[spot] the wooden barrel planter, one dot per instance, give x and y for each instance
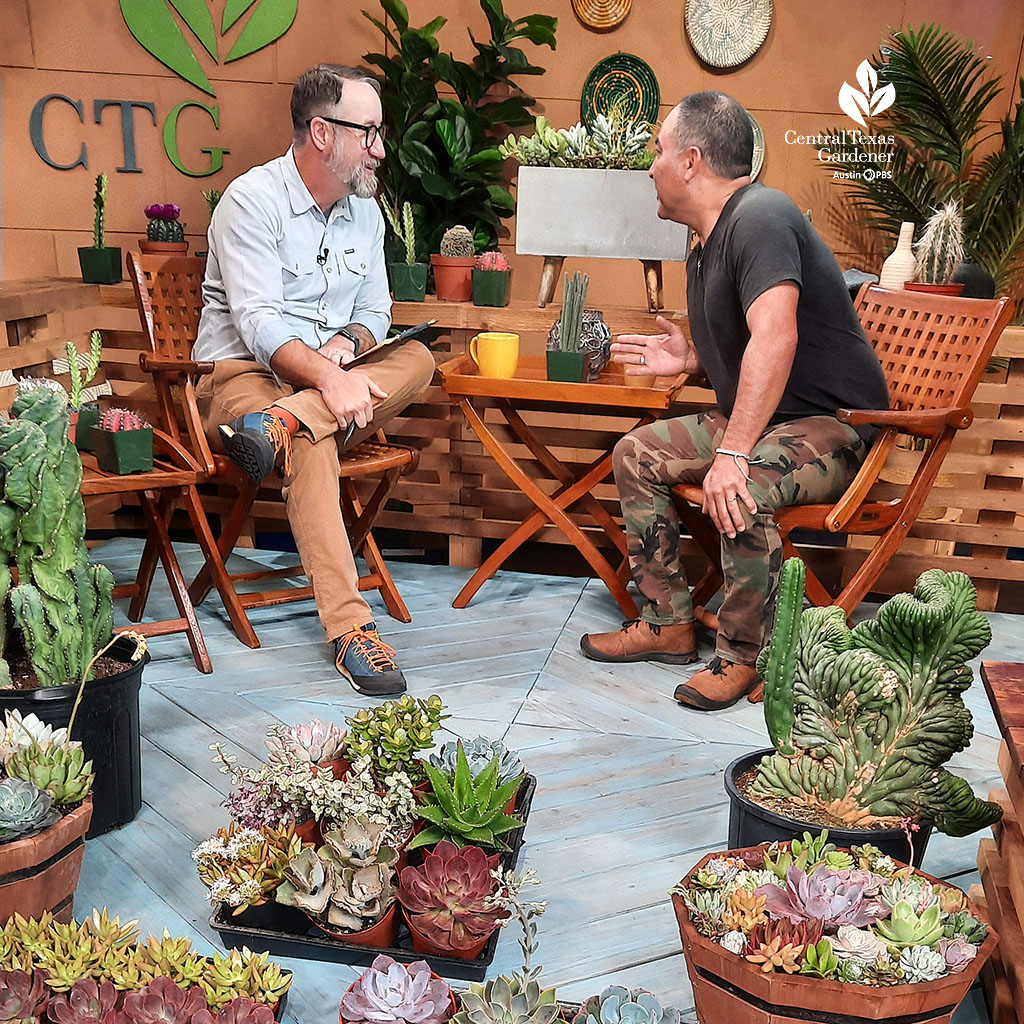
(728, 988)
(41, 872)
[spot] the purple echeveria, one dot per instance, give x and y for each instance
(871, 882)
(390, 992)
(86, 1003)
(824, 896)
(958, 953)
(23, 997)
(162, 1002)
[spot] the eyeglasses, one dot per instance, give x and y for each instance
(371, 131)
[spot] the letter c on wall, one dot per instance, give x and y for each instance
(35, 131)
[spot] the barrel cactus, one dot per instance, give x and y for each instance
(164, 225)
(62, 604)
(863, 720)
(458, 242)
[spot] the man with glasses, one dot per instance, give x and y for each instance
(295, 288)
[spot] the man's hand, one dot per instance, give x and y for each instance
(340, 350)
(350, 397)
(663, 355)
(725, 486)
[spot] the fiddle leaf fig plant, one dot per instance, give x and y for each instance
(864, 720)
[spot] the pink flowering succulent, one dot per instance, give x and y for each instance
(392, 993)
(491, 261)
(822, 895)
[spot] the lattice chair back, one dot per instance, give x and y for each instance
(174, 300)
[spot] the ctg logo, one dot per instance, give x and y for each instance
(868, 100)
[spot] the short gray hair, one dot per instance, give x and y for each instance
(720, 128)
(320, 88)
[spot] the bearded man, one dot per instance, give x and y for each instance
(295, 288)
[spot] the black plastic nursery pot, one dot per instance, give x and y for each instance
(750, 824)
(107, 726)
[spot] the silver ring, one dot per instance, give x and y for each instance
(643, 361)
(735, 497)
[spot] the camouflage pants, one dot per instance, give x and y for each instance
(806, 461)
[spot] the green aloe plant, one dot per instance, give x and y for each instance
(465, 810)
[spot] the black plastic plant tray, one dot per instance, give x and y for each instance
(315, 945)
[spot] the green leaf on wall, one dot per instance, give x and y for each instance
(270, 21)
(197, 16)
(153, 25)
(233, 10)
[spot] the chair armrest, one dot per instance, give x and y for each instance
(177, 453)
(920, 422)
(160, 364)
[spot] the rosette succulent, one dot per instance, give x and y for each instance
(162, 1002)
(393, 733)
(239, 1011)
(389, 992)
(23, 997)
(916, 891)
(957, 953)
(449, 896)
(919, 963)
(20, 732)
(618, 1005)
(858, 944)
(60, 770)
(314, 742)
(480, 751)
(865, 719)
(822, 896)
(24, 810)
(514, 999)
(86, 1003)
(966, 926)
(904, 927)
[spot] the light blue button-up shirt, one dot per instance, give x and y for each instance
(280, 268)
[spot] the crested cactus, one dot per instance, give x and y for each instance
(878, 710)
(62, 604)
(99, 234)
(164, 225)
(458, 243)
(940, 250)
(121, 419)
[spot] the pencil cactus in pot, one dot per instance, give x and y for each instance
(123, 442)
(864, 720)
(491, 276)
(100, 264)
(940, 250)
(567, 361)
(453, 267)
(408, 279)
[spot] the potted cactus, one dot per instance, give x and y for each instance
(388, 992)
(408, 279)
(566, 360)
(491, 277)
(864, 720)
(940, 251)
(453, 267)
(807, 931)
(84, 415)
(99, 264)
(164, 232)
(123, 442)
(448, 902)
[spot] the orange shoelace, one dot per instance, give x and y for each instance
(380, 655)
(280, 438)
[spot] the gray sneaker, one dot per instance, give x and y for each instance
(368, 662)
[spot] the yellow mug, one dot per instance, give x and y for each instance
(495, 354)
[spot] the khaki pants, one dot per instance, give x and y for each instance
(311, 490)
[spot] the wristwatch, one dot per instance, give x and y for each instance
(346, 333)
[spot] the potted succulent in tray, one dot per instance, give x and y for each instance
(164, 232)
(453, 266)
(99, 264)
(449, 902)
(864, 720)
(84, 415)
(490, 279)
(408, 279)
(316, 743)
(841, 936)
(479, 752)
(940, 251)
(62, 660)
(392, 735)
(388, 992)
(123, 442)
(566, 360)
(618, 1005)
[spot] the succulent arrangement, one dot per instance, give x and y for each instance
(315, 742)
(392, 734)
(449, 898)
(612, 141)
(864, 720)
(940, 249)
(875, 923)
(97, 972)
(164, 225)
(479, 753)
(465, 810)
(389, 992)
(457, 243)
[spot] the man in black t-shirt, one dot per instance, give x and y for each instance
(774, 331)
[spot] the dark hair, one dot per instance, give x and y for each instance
(720, 128)
(321, 87)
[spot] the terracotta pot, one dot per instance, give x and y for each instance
(453, 277)
(422, 944)
(935, 289)
(41, 872)
(437, 977)
(339, 767)
(380, 935)
(165, 248)
(728, 988)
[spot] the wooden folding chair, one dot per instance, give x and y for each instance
(933, 350)
(169, 295)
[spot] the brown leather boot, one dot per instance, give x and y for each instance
(643, 641)
(718, 685)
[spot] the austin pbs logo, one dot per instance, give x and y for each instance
(867, 101)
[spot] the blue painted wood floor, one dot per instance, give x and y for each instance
(630, 785)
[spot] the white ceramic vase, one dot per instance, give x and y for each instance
(901, 265)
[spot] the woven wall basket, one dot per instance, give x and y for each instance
(724, 33)
(601, 15)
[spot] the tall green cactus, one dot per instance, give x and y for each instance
(82, 370)
(877, 711)
(62, 604)
(100, 202)
(940, 249)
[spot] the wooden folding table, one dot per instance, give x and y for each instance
(530, 389)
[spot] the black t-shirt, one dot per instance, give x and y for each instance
(760, 240)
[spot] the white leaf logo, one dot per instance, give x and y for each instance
(867, 101)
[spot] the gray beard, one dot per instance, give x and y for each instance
(363, 182)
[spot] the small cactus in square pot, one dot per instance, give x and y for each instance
(123, 442)
(164, 231)
(490, 279)
(453, 266)
(409, 278)
(81, 369)
(100, 264)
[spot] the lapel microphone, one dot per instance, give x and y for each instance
(322, 257)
